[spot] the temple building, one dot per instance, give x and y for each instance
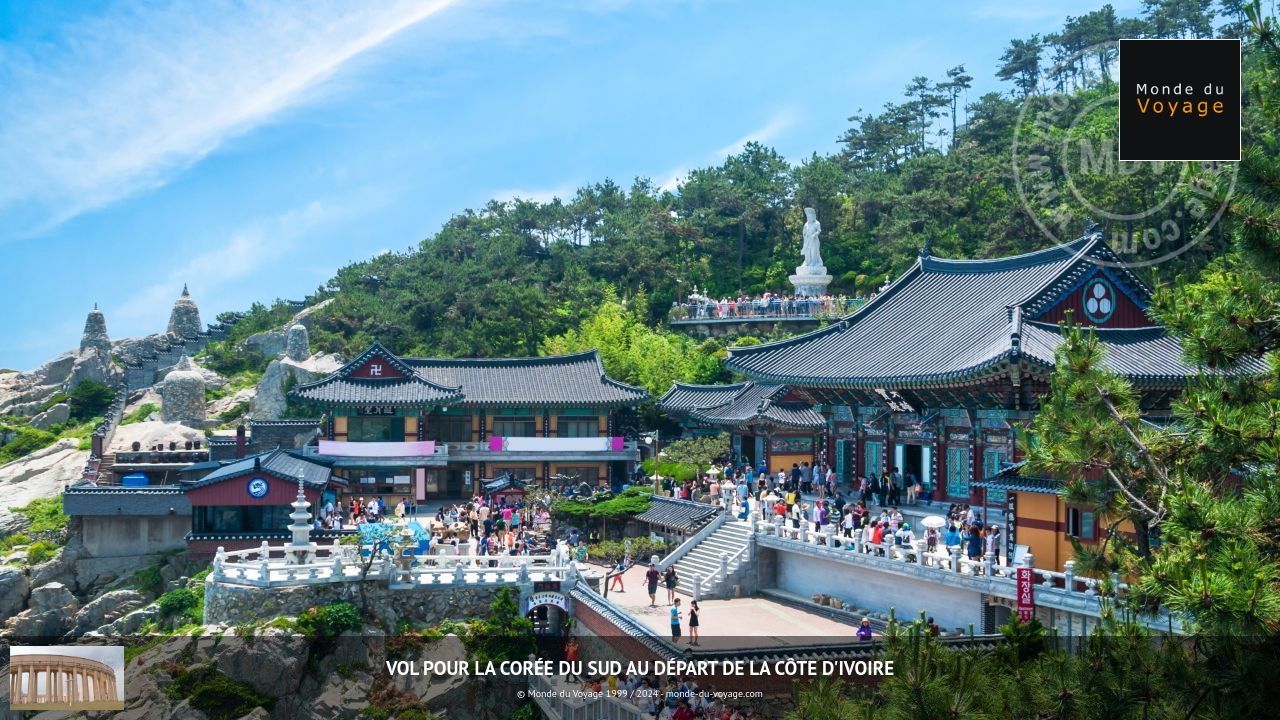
(941, 373)
(240, 504)
(766, 423)
(418, 428)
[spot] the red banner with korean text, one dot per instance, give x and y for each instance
(1026, 595)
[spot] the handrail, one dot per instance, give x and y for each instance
(717, 521)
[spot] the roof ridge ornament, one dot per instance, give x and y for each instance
(1091, 227)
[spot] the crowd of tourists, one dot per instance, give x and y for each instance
(765, 305)
(786, 496)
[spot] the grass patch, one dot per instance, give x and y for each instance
(41, 551)
(26, 441)
(13, 541)
(43, 514)
(133, 651)
(140, 413)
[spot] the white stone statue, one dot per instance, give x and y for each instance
(811, 278)
(812, 247)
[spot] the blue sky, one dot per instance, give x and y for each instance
(252, 149)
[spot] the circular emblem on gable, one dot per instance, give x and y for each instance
(1099, 300)
(258, 487)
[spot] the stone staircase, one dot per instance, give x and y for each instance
(108, 462)
(704, 559)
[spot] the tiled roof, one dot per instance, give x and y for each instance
(407, 391)
(84, 500)
(673, 513)
(945, 321)
(556, 380)
(1140, 353)
(1011, 478)
(341, 388)
(683, 397)
(276, 462)
(740, 405)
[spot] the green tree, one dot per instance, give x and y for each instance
(1021, 64)
(698, 452)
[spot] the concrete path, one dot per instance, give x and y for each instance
(735, 623)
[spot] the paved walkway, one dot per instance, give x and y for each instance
(735, 623)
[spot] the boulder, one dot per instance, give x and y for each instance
(270, 401)
(270, 343)
(13, 591)
(226, 404)
(38, 475)
(93, 363)
(57, 415)
(52, 596)
(151, 433)
(107, 608)
(50, 625)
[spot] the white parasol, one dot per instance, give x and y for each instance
(934, 521)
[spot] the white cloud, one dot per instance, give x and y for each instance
(128, 100)
(246, 251)
(772, 128)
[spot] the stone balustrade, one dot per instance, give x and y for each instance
(296, 565)
(1063, 590)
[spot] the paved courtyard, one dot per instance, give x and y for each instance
(735, 623)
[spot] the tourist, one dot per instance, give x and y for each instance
(895, 486)
(931, 539)
(913, 489)
(895, 519)
(675, 621)
(864, 489)
(864, 630)
(571, 654)
(846, 524)
(669, 579)
(652, 577)
(693, 623)
(831, 480)
(993, 542)
(952, 538)
(932, 627)
(974, 550)
(904, 536)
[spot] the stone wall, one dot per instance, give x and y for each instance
(106, 537)
(952, 607)
(239, 604)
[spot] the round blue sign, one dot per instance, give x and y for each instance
(258, 487)
(1099, 300)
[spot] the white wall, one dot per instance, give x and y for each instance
(866, 588)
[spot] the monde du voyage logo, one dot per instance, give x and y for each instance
(1180, 100)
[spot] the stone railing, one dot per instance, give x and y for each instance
(728, 565)
(1058, 590)
(286, 565)
(693, 540)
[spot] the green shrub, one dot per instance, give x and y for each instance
(41, 551)
(215, 694)
(148, 579)
(26, 441)
(177, 601)
(90, 398)
(328, 621)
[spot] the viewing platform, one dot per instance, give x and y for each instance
(709, 317)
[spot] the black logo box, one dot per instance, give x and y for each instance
(1186, 69)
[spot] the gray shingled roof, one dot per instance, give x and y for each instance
(124, 501)
(556, 380)
(1139, 353)
(683, 397)
(949, 320)
(1012, 478)
(755, 405)
(739, 405)
(280, 463)
(342, 389)
(673, 513)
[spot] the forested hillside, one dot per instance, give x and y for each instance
(931, 170)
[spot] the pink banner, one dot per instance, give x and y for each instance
(377, 449)
(563, 445)
(1026, 595)
(495, 444)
